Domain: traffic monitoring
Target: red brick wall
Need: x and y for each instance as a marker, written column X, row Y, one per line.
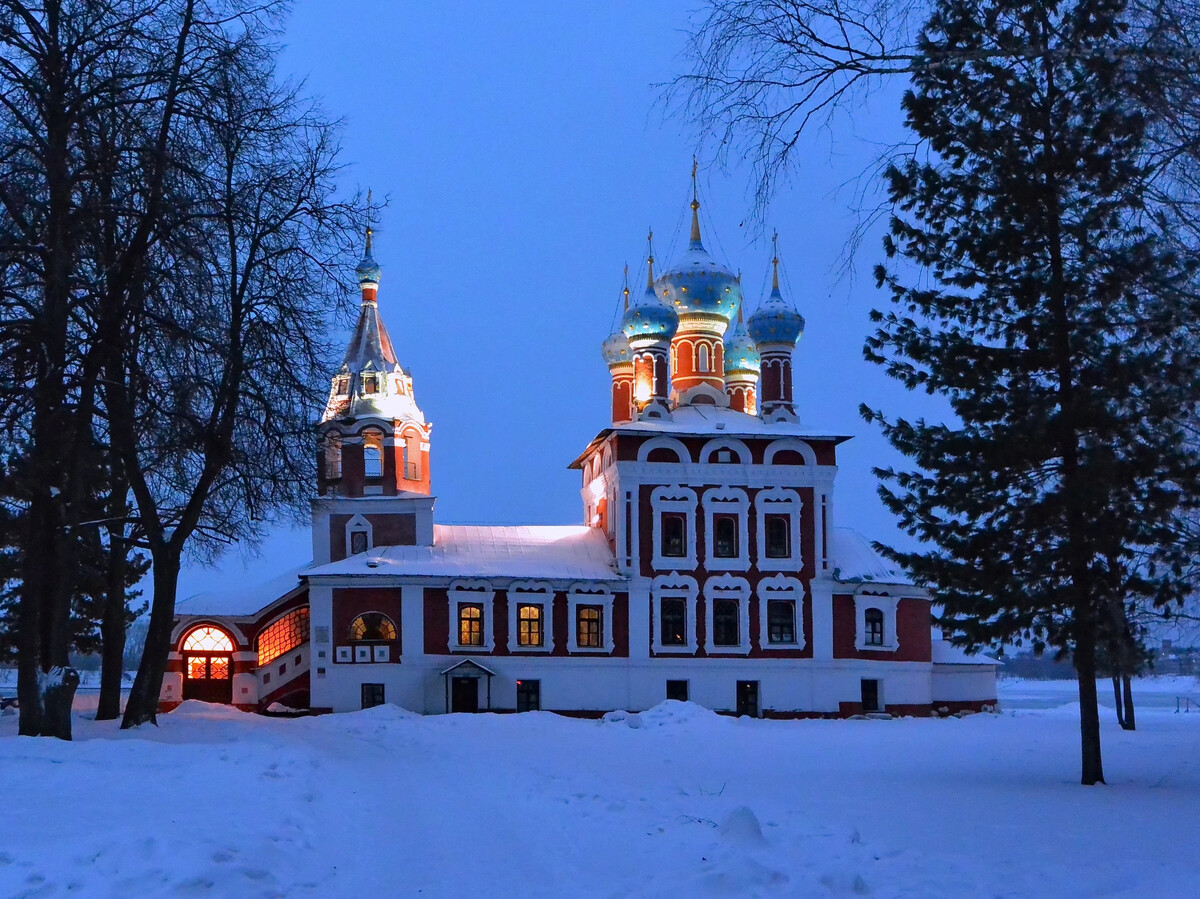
column 912, row 630
column 350, row 602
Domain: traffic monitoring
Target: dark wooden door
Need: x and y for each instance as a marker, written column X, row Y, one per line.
column 208, row 677
column 747, row 698
column 870, row 695
column 464, row 694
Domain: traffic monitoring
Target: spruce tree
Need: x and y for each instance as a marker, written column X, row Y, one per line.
column 1033, row 288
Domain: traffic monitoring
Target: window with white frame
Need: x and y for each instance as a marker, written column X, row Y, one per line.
column 875, row 623
column 471, row 628
column 673, row 603
column 359, row 535
column 777, row 510
column 589, row 617
column 673, row 521
column 781, row 612
column 725, row 511
column 529, row 616
column 727, row 614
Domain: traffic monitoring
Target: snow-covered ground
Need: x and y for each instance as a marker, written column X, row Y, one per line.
column 672, row 802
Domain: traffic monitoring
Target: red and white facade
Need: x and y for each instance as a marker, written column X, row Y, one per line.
column 709, row 565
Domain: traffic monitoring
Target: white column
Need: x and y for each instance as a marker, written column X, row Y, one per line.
column 822, row 618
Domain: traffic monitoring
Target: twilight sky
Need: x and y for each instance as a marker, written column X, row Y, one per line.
column 524, row 151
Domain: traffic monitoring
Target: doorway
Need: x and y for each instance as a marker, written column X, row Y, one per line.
column 464, row 694
column 870, row 695
column 208, row 665
column 747, row 698
column 677, row 690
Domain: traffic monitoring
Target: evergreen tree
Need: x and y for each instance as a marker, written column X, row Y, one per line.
column 1034, row 289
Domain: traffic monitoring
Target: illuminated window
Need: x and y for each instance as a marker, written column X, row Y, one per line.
column 372, row 626
column 674, row 535
column 372, row 454
column 470, row 624
column 781, row 621
column 726, row 616
column 725, row 536
column 283, row 636
column 874, row 622
column 218, row 668
column 589, row 627
column 208, row 639
column 529, row 626
column 778, row 536
column 673, row 622
column 197, row 667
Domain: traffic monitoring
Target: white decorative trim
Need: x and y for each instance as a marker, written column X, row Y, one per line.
column 472, row 590
column 531, row 593
column 885, row 604
column 726, row 501
column 673, row 586
column 779, row 501
column 585, row 594
column 664, row 442
column 788, row 589
column 727, row 586
column 738, row 448
column 680, row 500
column 789, row 443
column 358, row 523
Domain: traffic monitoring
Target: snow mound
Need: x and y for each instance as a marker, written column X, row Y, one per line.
column 667, row 712
column 741, row 826
column 195, row 708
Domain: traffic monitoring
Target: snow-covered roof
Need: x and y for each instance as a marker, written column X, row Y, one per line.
column 855, row 561
column 553, row 552
column 947, row 654
column 703, row 419
column 244, row 600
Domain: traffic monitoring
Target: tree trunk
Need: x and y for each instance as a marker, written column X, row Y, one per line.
column 142, row 707
column 58, row 695
column 112, row 632
column 29, row 627
column 1130, row 723
column 1116, row 682
column 1089, row 711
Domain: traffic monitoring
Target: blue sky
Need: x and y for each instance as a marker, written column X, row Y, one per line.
column 524, row 150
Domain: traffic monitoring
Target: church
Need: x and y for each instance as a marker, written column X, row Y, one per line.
column 709, row 565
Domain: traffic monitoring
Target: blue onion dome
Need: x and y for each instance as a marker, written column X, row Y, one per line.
column 368, row 270
column 648, row 318
column 698, row 284
column 741, row 355
column 615, row 349
column 775, row 321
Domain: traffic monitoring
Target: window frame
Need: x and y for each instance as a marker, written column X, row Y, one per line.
column 530, row 593
column 583, row 594
column 790, row 606
column 887, row 606
column 673, row 499
column 537, row 691
column 787, row 588
column 674, row 586
column 785, row 501
column 721, row 503
column 471, row 592
column 727, row 587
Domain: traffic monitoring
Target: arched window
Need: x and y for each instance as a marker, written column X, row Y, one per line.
column 374, row 626
column 370, row 384
column 208, row 639
column 589, row 629
column 360, row 542
column 702, row 364
column 372, row 454
column 529, row 626
column 283, row 636
column 470, row 624
column 874, row 623
column 333, row 458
